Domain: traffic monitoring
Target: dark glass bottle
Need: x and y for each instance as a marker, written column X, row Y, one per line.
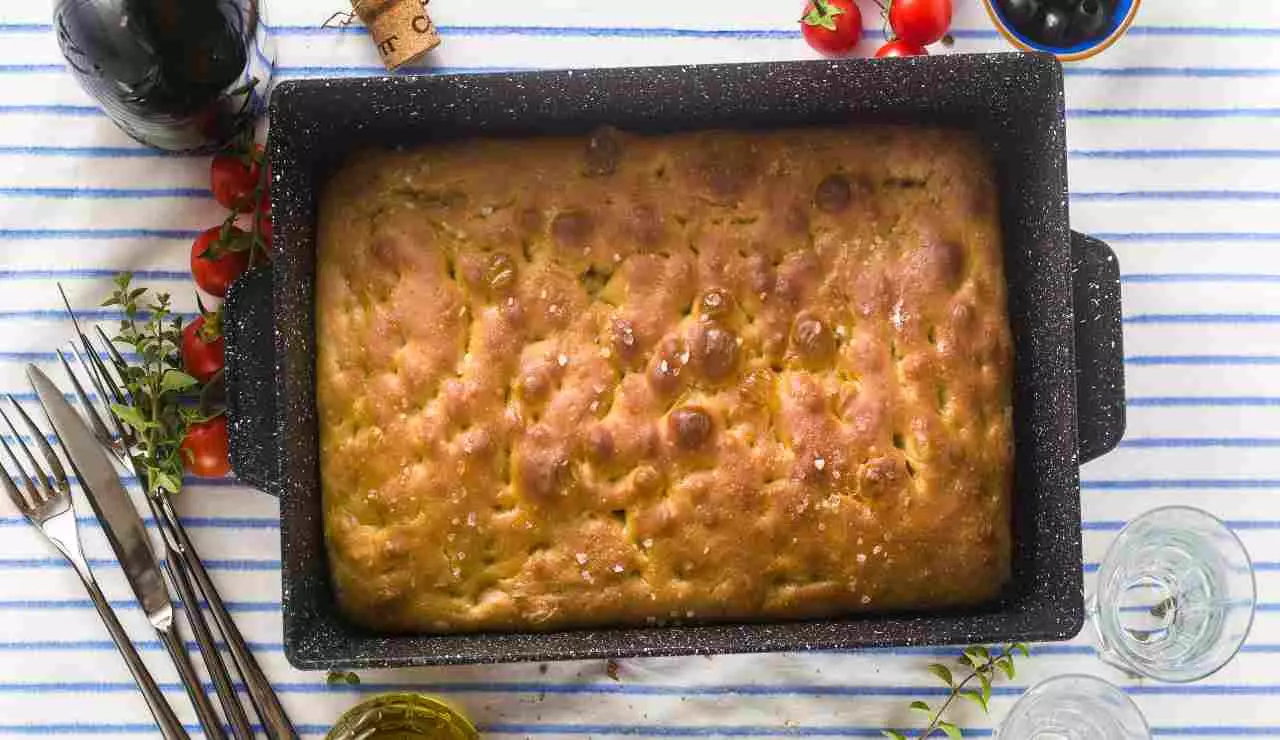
column 181, row 75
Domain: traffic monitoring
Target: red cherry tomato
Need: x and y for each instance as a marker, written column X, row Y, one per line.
column 832, row 26
column 233, row 181
column 216, row 261
column 205, row 452
column 900, row 48
column 920, row 22
column 203, row 349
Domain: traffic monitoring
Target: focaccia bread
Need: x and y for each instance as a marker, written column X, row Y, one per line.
column 618, row 379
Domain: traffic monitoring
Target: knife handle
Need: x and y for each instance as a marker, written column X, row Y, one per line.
column 170, row 727
column 190, row 679
column 275, row 723
column 176, row 567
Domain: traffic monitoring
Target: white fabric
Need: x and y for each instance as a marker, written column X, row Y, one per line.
column 1174, row 159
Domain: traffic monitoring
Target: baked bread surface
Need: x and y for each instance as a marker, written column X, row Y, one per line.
column 624, row 379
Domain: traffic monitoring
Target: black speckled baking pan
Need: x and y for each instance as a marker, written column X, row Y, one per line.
column 1064, row 304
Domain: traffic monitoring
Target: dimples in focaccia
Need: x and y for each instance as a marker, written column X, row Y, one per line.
column 621, row 379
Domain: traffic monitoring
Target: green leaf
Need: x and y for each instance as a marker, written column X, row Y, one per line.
column 122, row 279
column 942, row 672
column 977, row 655
column 974, row 697
column 129, row 415
column 176, row 380
column 342, row 677
column 1021, row 647
column 1006, row 664
column 161, row 480
column 823, row 15
column 985, row 680
column 920, row 706
column 893, row 734
column 952, row 731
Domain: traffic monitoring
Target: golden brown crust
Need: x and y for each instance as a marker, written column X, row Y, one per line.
column 705, row 376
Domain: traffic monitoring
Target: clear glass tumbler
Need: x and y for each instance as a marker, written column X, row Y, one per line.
column 1175, row 596
column 1074, row 707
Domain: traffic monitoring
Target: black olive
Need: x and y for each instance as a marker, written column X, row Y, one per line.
column 1091, row 19
column 1053, row 27
column 1021, row 12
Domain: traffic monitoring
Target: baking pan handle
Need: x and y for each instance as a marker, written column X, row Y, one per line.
column 251, row 390
column 1100, row 410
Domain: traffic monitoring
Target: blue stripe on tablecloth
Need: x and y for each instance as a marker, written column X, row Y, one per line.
column 1207, row 360
column 675, row 32
column 103, row 193
column 643, row 730
column 630, row 689
column 1200, row 318
column 1199, row 442
column 1206, row 401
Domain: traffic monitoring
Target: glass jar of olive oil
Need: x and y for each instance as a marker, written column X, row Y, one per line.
column 403, row 717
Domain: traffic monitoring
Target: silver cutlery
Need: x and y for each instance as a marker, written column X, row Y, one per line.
column 107, row 379
column 175, row 567
column 128, row 538
column 47, row 505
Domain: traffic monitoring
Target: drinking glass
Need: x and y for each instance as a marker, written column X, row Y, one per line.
column 1175, row 596
column 1074, row 707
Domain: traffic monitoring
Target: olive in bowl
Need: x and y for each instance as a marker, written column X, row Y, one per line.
column 1068, row 29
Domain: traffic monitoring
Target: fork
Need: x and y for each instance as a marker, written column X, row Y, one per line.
column 47, row 505
column 106, row 377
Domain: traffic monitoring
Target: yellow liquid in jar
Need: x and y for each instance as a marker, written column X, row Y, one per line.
column 403, row 717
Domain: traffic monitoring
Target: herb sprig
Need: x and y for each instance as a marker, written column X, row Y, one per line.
column 160, row 393
column 982, row 666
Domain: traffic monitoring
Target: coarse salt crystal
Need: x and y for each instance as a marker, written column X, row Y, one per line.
column 618, row 568
column 457, row 572
column 581, row 558
column 648, row 543
column 471, row 519
column 462, row 555
column 841, row 331
column 605, row 353
column 562, row 360
column 835, row 474
column 876, row 550
column 706, row 549
column 595, row 406
column 822, row 527
column 862, row 557
column 819, row 463
column 587, row 577
column 617, row 257
column 511, row 301
column 543, row 294
column 663, row 367
column 684, row 356
column 866, row 599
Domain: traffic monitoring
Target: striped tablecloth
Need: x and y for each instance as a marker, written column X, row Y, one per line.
column 1174, row 139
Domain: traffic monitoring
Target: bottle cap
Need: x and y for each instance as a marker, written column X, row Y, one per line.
column 401, row 28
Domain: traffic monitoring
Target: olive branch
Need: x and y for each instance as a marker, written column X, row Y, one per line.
column 982, row 666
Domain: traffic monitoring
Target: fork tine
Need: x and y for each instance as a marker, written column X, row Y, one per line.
column 11, row 488
column 117, row 361
column 35, row 483
column 58, row 480
column 113, row 377
column 112, row 350
column 104, row 435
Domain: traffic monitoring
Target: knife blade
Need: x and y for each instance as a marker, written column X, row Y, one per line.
column 111, row 502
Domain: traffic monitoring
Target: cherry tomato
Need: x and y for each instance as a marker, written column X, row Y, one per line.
column 900, row 48
column 832, row 26
column 205, row 451
column 233, row 181
column 920, row 22
column 216, row 261
column 203, row 349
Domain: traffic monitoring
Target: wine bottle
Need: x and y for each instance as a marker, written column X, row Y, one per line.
column 180, row 75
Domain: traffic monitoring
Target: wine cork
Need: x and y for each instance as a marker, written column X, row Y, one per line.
column 401, row 28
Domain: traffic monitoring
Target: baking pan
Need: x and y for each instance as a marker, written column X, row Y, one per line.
column 1064, row 307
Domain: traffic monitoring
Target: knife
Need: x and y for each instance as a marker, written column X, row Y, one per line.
column 123, row 527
